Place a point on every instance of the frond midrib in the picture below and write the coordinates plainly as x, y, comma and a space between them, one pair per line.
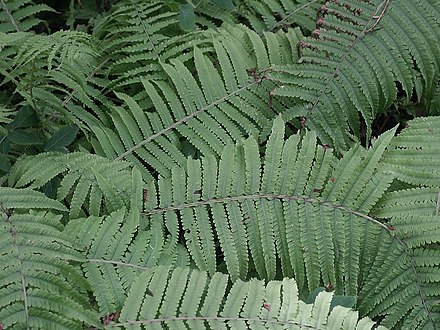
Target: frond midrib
185, 119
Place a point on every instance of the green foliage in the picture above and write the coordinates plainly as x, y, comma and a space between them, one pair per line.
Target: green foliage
20, 15
248, 305
353, 61
38, 266
207, 165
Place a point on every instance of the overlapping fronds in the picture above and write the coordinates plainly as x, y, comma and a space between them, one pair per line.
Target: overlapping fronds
188, 299
88, 183
136, 34
19, 15
223, 102
36, 272
361, 54
274, 206
301, 208
404, 280
53, 74
117, 250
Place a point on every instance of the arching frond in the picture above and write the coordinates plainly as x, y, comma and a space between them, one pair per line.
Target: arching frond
185, 298
222, 102
356, 59
39, 287
301, 208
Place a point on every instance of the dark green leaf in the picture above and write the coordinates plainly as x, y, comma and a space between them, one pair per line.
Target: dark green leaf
25, 117
312, 296
50, 188
62, 138
4, 144
5, 163
24, 137
227, 4
345, 301
187, 18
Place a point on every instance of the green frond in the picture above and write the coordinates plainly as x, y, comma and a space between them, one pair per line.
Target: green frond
274, 15
117, 250
414, 155
354, 62
53, 74
161, 299
11, 198
19, 15
39, 285
289, 202
206, 110
88, 182
301, 208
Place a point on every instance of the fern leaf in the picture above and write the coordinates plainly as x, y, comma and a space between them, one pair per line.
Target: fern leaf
413, 155
88, 181
20, 15
343, 66
11, 198
117, 252
246, 305
40, 287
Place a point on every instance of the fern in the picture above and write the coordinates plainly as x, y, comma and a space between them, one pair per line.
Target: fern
36, 270
118, 250
212, 178
414, 156
188, 298
298, 206
276, 14
18, 16
88, 182
216, 109
352, 61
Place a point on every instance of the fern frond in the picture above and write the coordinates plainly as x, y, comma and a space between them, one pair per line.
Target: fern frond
206, 110
20, 15
184, 298
117, 251
408, 280
39, 286
299, 207
289, 199
414, 155
350, 65
136, 34
276, 14
11, 198
88, 182
53, 74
